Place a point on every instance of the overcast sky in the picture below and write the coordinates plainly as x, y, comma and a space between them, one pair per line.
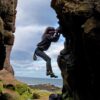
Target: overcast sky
33, 16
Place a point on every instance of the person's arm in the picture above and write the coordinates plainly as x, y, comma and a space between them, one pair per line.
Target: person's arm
53, 38
56, 37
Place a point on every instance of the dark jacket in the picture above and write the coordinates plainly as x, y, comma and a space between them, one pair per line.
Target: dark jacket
46, 41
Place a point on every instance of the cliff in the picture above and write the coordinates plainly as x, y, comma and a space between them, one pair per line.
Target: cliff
79, 61
7, 28
11, 89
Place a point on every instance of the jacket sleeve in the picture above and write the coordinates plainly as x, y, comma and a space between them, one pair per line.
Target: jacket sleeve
53, 38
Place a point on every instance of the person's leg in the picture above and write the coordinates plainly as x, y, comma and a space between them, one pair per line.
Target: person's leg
48, 62
43, 55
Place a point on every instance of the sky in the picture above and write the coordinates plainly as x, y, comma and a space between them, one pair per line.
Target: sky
33, 16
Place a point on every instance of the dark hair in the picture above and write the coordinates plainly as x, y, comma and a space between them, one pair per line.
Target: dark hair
47, 31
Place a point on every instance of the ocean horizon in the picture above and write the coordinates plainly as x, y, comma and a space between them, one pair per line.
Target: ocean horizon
37, 81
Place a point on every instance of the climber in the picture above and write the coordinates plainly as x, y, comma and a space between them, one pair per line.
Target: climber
50, 35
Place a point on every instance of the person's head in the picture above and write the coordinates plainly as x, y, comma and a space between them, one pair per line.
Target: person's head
50, 30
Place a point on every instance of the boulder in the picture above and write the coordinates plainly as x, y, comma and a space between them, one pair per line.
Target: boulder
79, 60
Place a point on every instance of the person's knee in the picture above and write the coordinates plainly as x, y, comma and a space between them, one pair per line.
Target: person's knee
37, 51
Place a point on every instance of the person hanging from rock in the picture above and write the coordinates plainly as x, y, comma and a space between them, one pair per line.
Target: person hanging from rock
50, 35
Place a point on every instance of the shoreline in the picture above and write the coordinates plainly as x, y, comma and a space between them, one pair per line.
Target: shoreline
47, 87
40, 81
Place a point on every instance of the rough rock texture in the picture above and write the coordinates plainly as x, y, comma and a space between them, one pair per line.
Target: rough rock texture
12, 89
79, 60
7, 28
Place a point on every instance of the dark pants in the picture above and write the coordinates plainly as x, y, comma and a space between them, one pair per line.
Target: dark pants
43, 55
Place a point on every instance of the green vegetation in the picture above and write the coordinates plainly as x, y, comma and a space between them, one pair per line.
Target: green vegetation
1, 87
9, 86
20, 91
35, 96
22, 88
15, 92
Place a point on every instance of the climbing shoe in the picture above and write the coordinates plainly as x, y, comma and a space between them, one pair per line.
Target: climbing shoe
52, 75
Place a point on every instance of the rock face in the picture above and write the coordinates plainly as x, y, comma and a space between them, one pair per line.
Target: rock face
7, 28
79, 60
12, 89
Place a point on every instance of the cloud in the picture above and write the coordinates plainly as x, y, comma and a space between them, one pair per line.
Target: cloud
35, 11
27, 36
33, 16
32, 69
55, 48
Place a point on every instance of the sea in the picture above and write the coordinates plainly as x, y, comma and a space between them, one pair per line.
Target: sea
37, 81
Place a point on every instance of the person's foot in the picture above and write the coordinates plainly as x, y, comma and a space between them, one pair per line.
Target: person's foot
34, 57
52, 75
